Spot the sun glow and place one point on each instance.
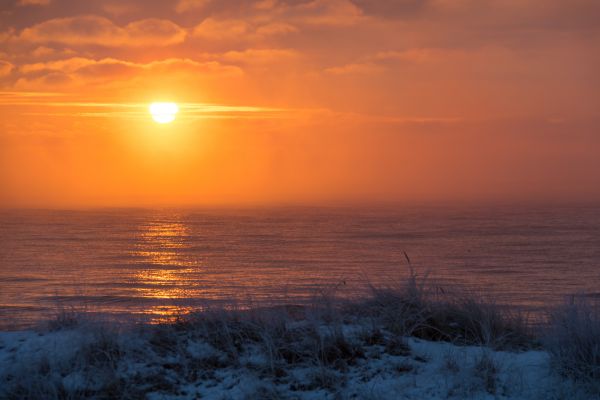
(163, 113)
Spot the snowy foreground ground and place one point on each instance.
(287, 360)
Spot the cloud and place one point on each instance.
(276, 28)
(260, 56)
(366, 68)
(33, 2)
(42, 52)
(240, 29)
(186, 64)
(95, 30)
(85, 71)
(383, 60)
(265, 4)
(54, 79)
(5, 68)
(188, 5)
(290, 12)
(217, 29)
(328, 13)
(392, 8)
(119, 9)
(88, 66)
(66, 65)
(503, 17)
(7, 35)
(386, 60)
(53, 104)
(491, 15)
(416, 55)
(155, 31)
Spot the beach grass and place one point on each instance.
(395, 342)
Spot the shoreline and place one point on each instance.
(409, 342)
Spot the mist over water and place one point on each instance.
(156, 263)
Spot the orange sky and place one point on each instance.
(298, 101)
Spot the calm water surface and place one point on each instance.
(153, 263)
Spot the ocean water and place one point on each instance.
(155, 263)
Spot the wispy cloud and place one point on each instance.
(33, 103)
(33, 2)
(6, 96)
(96, 30)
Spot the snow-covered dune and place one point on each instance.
(227, 358)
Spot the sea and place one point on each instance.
(157, 264)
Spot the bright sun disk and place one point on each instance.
(163, 113)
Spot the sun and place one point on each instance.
(163, 113)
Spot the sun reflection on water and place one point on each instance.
(166, 268)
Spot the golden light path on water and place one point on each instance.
(178, 280)
(161, 247)
(161, 263)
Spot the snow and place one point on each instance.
(194, 368)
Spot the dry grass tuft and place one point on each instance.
(573, 341)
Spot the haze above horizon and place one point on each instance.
(298, 102)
